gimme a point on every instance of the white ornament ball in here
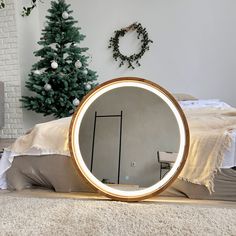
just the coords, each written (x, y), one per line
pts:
(88, 86)
(47, 87)
(78, 64)
(65, 15)
(54, 65)
(85, 72)
(76, 102)
(37, 72)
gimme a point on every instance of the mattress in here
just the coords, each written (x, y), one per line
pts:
(57, 172)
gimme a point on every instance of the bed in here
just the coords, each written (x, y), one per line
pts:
(208, 174)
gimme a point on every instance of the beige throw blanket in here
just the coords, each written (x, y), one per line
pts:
(46, 138)
(210, 134)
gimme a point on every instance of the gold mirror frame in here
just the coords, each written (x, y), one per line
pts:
(85, 173)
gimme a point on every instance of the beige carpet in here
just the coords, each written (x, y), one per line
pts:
(22, 214)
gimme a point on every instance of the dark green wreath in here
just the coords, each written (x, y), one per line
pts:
(114, 43)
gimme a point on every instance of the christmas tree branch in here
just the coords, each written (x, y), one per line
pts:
(26, 10)
(2, 4)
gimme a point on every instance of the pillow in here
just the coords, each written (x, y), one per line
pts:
(183, 97)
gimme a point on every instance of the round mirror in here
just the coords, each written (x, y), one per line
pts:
(129, 139)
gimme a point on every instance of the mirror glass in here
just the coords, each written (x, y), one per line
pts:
(128, 138)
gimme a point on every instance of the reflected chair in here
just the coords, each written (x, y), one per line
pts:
(166, 161)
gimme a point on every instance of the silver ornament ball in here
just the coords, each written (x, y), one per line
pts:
(54, 65)
(76, 102)
(37, 72)
(88, 86)
(85, 72)
(78, 64)
(65, 15)
(47, 87)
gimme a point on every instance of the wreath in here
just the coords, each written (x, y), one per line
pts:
(134, 58)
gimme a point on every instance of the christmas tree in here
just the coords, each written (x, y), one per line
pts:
(61, 77)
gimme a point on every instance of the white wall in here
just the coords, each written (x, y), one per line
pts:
(194, 48)
(9, 72)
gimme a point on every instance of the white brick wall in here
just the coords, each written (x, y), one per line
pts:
(10, 72)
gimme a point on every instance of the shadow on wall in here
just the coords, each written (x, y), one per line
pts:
(148, 125)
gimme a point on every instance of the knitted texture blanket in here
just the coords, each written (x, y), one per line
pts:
(210, 137)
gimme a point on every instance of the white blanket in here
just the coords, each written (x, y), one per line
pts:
(211, 136)
(46, 138)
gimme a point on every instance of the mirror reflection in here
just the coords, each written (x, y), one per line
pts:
(129, 138)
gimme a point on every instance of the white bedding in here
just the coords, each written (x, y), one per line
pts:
(204, 103)
(59, 128)
(230, 154)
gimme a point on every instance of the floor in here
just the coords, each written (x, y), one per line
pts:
(43, 213)
(44, 193)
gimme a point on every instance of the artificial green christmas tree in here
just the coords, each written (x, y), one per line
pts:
(61, 77)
